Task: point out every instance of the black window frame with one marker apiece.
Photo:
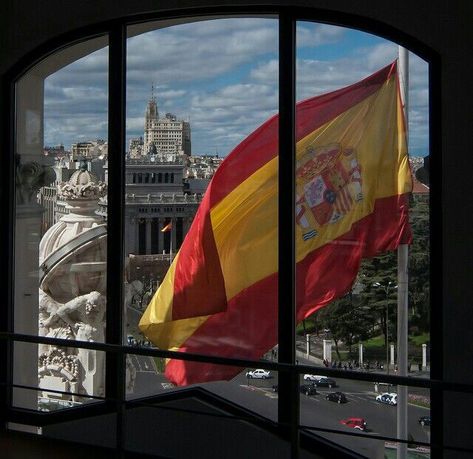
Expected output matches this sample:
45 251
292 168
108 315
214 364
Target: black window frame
288 408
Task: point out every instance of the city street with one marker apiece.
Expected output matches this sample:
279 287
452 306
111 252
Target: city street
315 411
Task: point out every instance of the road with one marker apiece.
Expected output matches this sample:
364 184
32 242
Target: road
315 411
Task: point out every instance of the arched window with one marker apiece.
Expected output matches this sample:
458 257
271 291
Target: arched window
344 334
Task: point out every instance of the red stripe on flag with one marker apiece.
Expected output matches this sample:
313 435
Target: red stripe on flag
262 145
199 288
246 329
343 201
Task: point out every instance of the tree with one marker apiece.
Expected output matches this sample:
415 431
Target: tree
377 277
419 264
348 321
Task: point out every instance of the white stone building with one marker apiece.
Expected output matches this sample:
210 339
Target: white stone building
165 135
89 150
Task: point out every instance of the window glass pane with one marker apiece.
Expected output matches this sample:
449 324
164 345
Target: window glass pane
356 202
66 376
200 414
194 93
60 240
349 220
99 431
370 409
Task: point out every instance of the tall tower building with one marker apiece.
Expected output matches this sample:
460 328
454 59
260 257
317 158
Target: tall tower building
166 135
152 114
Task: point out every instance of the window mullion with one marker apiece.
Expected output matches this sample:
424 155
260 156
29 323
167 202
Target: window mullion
288 401
115 363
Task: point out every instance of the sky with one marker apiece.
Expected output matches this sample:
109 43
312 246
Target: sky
222 76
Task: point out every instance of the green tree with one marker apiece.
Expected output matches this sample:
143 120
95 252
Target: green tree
419 264
377 279
348 321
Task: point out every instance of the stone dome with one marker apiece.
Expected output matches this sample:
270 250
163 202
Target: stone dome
82 176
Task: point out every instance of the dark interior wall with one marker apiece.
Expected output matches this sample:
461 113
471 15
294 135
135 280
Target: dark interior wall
445 27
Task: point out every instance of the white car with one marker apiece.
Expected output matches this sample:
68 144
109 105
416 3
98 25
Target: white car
389 398
258 374
320 380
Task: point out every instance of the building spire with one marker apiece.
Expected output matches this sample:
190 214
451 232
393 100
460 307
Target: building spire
152 108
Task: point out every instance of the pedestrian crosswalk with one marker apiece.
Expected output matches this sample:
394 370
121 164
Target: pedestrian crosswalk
353 397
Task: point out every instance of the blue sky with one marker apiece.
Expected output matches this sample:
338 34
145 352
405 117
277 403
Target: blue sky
222 75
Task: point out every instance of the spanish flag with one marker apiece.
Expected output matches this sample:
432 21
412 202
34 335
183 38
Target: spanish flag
353 179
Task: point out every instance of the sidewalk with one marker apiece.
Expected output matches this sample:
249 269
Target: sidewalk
316 350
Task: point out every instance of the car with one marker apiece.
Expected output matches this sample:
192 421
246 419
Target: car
258 374
320 381
424 421
355 423
338 397
306 389
388 398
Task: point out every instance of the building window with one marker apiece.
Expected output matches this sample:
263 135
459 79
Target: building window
353 335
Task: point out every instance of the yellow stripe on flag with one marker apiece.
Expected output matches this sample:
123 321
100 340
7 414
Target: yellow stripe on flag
158 316
245 221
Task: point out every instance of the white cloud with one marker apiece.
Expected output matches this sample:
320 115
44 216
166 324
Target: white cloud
266 72
197 51
312 34
223 75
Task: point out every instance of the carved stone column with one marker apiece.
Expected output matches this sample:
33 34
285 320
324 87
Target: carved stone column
173 234
148 236
161 234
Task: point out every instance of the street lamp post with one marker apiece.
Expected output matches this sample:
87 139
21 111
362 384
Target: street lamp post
386 288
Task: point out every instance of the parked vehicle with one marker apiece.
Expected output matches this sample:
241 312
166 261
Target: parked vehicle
355 423
389 398
258 374
338 397
306 389
320 381
424 421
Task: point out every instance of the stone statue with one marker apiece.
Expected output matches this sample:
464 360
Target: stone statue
86 309
30 177
130 375
81 319
133 288
86 332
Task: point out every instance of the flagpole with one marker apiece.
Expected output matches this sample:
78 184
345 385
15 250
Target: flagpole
402 282
170 246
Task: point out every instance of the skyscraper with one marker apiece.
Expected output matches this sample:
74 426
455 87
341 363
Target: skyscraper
165 135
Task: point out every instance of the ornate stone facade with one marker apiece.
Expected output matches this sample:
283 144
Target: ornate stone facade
72 295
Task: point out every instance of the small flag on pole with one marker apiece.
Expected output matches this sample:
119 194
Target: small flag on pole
167 228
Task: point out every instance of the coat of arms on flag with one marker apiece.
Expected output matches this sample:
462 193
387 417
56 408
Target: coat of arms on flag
328 184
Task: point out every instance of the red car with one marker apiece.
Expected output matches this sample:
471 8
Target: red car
355 423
